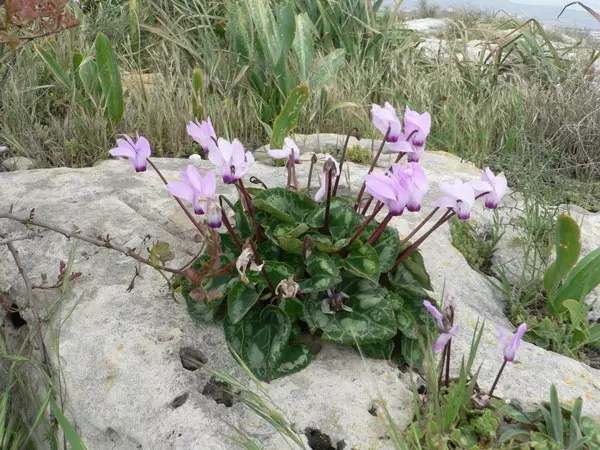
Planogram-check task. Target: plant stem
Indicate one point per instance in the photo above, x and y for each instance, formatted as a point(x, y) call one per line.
point(406, 253)
point(373, 163)
point(105, 243)
point(313, 160)
point(183, 207)
point(448, 353)
point(366, 208)
point(357, 233)
point(497, 378)
point(259, 262)
point(418, 227)
point(328, 204)
point(230, 230)
point(343, 158)
point(441, 368)
point(380, 229)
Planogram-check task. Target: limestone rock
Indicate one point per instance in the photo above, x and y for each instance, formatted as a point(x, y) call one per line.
point(125, 384)
point(426, 25)
point(16, 163)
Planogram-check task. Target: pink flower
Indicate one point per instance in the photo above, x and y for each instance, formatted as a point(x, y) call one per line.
point(384, 118)
point(200, 192)
point(289, 148)
point(412, 177)
point(231, 159)
point(510, 348)
point(203, 133)
point(416, 129)
point(459, 196)
point(446, 333)
point(332, 165)
point(498, 187)
point(388, 189)
point(137, 152)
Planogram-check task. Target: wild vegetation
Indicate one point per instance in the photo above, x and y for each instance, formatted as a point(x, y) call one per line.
point(74, 77)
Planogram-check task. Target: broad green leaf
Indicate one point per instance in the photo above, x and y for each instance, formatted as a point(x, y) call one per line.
point(55, 68)
point(378, 350)
point(594, 335)
point(240, 299)
point(134, 26)
point(387, 246)
point(410, 352)
point(328, 69)
point(371, 319)
point(568, 245)
point(239, 30)
point(110, 78)
point(290, 230)
point(416, 266)
point(261, 340)
point(342, 218)
point(318, 284)
point(292, 306)
point(363, 262)
point(267, 31)
point(285, 205)
point(71, 436)
point(320, 264)
point(286, 121)
point(303, 45)
point(576, 310)
point(405, 282)
point(286, 25)
point(580, 281)
point(293, 359)
point(275, 270)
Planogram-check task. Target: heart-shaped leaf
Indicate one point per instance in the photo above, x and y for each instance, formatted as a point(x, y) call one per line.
point(363, 262)
point(243, 223)
point(318, 284)
point(240, 299)
point(342, 218)
point(371, 318)
point(284, 204)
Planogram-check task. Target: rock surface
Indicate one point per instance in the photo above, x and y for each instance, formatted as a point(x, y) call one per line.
point(126, 387)
point(18, 163)
point(426, 25)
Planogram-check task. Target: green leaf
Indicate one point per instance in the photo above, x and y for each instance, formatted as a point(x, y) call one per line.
point(286, 121)
point(405, 282)
point(110, 78)
point(594, 335)
point(320, 264)
point(388, 248)
point(161, 253)
point(243, 223)
point(290, 230)
point(134, 26)
point(275, 270)
point(292, 306)
point(293, 359)
point(416, 266)
point(75, 442)
point(285, 205)
point(197, 94)
point(240, 299)
point(342, 218)
point(557, 420)
point(364, 263)
point(303, 45)
point(378, 350)
point(318, 284)
point(577, 311)
point(261, 340)
point(568, 246)
point(286, 26)
point(580, 281)
point(55, 68)
point(371, 319)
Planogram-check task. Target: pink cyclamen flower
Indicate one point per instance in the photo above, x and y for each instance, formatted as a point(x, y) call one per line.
point(459, 196)
point(329, 164)
point(416, 129)
point(232, 159)
point(384, 118)
point(289, 148)
point(200, 192)
point(137, 152)
point(446, 332)
point(510, 348)
point(388, 189)
point(203, 133)
point(412, 177)
point(498, 187)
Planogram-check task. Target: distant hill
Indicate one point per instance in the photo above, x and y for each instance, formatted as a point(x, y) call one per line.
point(574, 17)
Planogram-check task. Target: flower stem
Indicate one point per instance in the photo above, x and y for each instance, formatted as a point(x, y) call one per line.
point(373, 163)
point(418, 227)
point(366, 208)
point(406, 253)
point(379, 230)
point(357, 233)
point(441, 367)
point(313, 160)
point(343, 158)
point(185, 210)
point(259, 262)
point(497, 378)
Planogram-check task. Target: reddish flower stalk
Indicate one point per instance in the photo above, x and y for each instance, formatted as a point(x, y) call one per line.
point(379, 230)
point(247, 201)
point(373, 164)
point(418, 227)
point(357, 233)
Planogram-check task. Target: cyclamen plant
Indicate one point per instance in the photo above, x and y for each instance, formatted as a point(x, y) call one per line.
point(293, 267)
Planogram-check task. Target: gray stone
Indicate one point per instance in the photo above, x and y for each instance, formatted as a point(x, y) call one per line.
point(18, 163)
point(120, 351)
point(4, 150)
point(426, 25)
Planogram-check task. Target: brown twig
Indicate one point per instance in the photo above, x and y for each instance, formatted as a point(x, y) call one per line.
point(105, 243)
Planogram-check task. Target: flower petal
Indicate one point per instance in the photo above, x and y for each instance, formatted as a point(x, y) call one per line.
point(181, 190)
